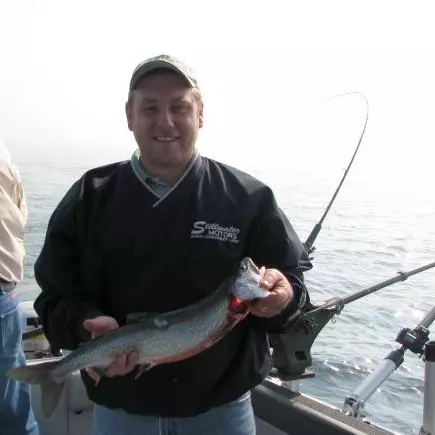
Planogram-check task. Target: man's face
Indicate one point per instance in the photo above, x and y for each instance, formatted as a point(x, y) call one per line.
point(165, 116)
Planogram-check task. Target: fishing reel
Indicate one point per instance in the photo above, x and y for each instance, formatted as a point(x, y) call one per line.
point(413, 339)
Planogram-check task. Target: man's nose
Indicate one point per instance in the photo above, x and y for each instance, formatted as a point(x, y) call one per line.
point(165, 118)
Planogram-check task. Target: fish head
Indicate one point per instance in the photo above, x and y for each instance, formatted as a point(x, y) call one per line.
point(246, 284)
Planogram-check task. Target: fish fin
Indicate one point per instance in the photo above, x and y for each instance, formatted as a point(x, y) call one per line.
point(152, 319)
point(101, 372)
point(51, 393)
point(144, 368)
point(34, 373)
point(40, 374)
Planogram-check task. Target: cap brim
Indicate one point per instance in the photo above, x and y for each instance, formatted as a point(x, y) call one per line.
point(145, 69)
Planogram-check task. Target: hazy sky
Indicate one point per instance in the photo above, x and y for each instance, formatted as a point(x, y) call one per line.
point(65, 68)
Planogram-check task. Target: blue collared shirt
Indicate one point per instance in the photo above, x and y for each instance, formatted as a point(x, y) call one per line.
point(159, 188)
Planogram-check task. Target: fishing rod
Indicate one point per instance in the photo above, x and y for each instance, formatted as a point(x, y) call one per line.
point(292, 350)
point(341, 302)
point(316, 230)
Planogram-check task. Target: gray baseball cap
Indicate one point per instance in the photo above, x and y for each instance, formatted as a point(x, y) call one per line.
point(163, 61)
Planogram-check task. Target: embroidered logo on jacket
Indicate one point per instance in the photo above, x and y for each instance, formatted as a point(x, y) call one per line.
point(204, 230)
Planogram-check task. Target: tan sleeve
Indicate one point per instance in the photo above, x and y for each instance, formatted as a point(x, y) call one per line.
point(13, 217)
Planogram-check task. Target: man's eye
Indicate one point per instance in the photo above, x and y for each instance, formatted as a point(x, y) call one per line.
point(179, 108)
point(149, 109)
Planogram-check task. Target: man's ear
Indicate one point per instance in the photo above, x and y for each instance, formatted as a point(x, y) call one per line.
point(201, 115)
point(128, 114)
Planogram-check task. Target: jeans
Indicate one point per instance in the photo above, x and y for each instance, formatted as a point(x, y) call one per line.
point(234, 418)
point(16, 414)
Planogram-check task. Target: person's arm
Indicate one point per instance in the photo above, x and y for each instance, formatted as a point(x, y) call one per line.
point(13, 216)
point(63, 303)
point(274, 244)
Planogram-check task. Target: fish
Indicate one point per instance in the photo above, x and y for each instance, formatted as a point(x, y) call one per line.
point(158, 338)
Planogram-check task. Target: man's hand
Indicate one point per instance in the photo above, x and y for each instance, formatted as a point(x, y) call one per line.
point(122, 364)
point(281, 294)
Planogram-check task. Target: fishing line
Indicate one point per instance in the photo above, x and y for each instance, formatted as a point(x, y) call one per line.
point(316, 230)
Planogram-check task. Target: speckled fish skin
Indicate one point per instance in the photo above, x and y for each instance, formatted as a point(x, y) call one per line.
point(158, 338)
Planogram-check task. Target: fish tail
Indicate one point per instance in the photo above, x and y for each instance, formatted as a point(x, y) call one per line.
point(51, 390)
point(32, 374)
point(51, 393)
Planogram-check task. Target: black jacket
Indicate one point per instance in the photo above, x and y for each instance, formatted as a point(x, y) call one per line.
point(113, 247)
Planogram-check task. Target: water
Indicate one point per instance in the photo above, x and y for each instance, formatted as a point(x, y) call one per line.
point(369, 235)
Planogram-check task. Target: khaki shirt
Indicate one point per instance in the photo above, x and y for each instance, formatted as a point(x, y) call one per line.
point(13, 217)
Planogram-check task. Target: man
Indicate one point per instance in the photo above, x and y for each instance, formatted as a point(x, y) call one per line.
point(156, 233)
point(16, 415)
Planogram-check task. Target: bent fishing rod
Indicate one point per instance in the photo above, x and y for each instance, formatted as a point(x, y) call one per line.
point(316, 230)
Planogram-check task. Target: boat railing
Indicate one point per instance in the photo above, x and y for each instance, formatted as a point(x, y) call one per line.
point(413, 340)
point(428, 426)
